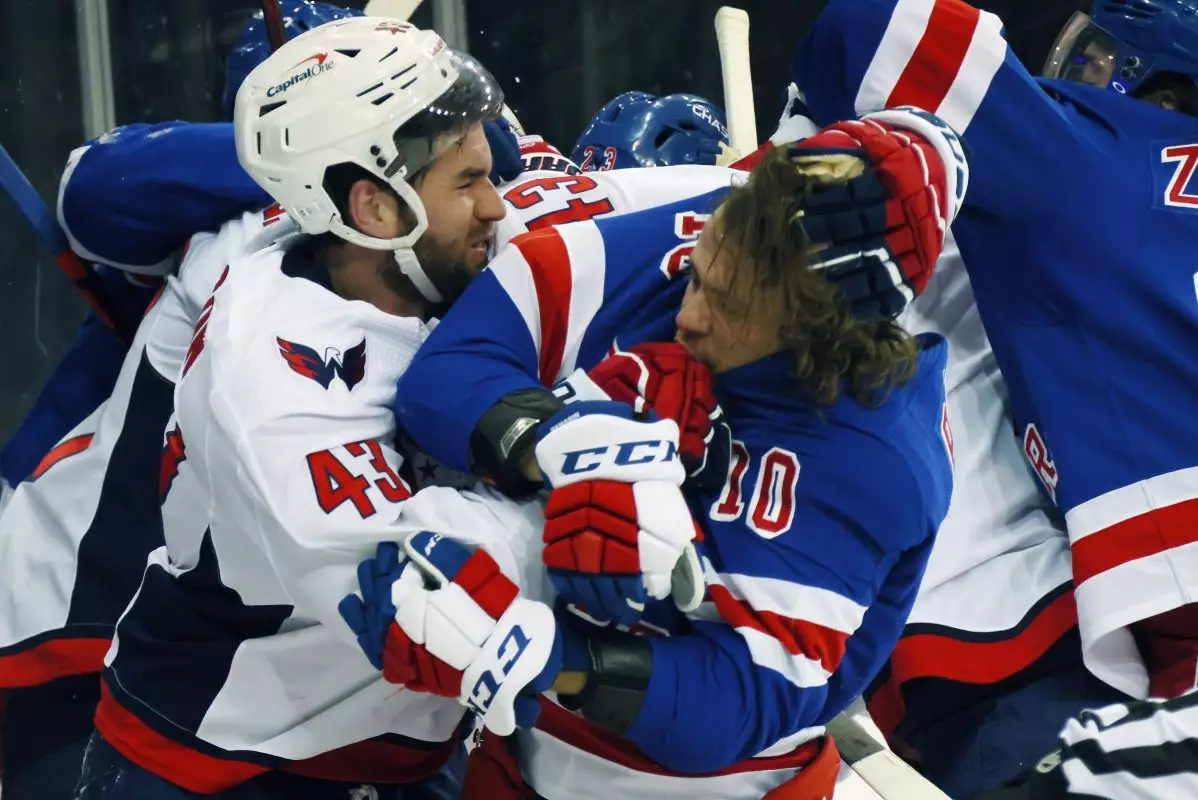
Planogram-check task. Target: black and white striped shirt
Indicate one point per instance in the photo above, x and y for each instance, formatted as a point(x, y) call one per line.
point(1146, 750)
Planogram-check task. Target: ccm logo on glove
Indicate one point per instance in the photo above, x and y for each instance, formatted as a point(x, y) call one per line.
point(623, 454)
point(488, 683)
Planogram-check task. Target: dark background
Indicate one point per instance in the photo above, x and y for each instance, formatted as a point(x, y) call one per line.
point(558, 60)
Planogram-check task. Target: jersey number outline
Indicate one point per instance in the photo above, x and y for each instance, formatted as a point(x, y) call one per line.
point(1038, 455)
point(1186, 158)
point(536, 191)
point(687, 226)
point(772, 505)
point(201, 330)
point(174, 453)
point(588, 159)
point(335, 484)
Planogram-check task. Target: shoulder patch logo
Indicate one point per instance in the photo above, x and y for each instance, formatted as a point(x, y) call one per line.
point(305, 361)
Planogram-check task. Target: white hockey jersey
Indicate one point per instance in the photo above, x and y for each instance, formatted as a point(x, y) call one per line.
point(1002, 540)
point(232, 658)
point(74, 537)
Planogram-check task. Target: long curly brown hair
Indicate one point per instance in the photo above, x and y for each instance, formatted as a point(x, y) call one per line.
point(760, 223)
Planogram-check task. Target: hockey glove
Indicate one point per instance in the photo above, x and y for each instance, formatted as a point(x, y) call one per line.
point(662, 377)
point(617, 529)
point(884, 201)
point(445, 620)
point(506, 164)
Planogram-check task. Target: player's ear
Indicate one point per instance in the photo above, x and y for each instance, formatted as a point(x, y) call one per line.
point(374, 210)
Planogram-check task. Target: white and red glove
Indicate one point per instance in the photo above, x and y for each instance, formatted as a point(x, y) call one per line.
point(443, 619)
point(662, 377)
point(617, 529)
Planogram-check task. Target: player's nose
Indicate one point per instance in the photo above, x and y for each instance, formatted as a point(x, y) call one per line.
point(489, 206)
point(693, 318)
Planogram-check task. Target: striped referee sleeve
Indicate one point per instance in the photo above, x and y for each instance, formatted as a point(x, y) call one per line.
point(1146, 750)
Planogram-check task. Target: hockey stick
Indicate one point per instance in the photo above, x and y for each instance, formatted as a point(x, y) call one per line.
point(45, 226)
point(273, 18)
point(732, 35)
point(395, 9)
point(885, 772)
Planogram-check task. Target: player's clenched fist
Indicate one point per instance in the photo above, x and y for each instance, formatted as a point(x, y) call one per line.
point(441, 618)
point(888, 186)
point(664, 378)
point(617, 529)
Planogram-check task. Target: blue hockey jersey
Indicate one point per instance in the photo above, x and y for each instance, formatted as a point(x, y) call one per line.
point(817, 541)
point(130, 199)
point(1081, 209)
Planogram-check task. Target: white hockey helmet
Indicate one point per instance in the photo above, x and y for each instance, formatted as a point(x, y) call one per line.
point(342, 93)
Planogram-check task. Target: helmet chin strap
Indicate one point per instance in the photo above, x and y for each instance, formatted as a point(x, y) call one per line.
point(409, 265)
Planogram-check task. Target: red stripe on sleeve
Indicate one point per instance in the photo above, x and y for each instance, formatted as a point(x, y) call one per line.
point(798, 636)
point(1145, 535)
point(937, 59)
point(549, 263)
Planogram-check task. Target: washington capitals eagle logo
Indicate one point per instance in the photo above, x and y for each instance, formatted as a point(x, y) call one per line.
point(303, 360)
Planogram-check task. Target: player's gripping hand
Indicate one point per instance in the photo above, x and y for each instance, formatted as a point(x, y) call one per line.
point(664, 378)
point(443, 619)
point(886, 195)
point(617, 529)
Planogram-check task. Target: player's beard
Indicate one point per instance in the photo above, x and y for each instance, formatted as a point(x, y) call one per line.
point(450, 265)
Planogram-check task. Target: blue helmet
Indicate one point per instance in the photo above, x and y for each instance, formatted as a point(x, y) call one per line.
point(639, 130)
point(1120, 44)
point(253, 45)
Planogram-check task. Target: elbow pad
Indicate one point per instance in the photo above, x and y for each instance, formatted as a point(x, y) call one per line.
point(621, 665)
point(505, 436)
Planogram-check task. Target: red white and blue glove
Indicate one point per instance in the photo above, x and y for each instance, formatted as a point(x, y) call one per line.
point(881, 226)
point(664, 378)
point(443, 619)
point(617, 529)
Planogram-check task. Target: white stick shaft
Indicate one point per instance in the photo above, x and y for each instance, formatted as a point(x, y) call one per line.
point(885, 772)
point(392, 9)
point(732, 34)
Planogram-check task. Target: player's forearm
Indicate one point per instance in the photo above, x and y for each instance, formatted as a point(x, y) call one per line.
point(111, 199)
point(691, 703)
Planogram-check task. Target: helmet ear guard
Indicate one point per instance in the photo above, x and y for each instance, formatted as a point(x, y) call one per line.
point(375, 93)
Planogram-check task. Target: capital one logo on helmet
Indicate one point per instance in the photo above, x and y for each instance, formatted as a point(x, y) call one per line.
point(318, 68)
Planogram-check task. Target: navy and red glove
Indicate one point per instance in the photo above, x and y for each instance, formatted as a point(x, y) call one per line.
point(881, 222)
point(443, 619)
point(662, 377)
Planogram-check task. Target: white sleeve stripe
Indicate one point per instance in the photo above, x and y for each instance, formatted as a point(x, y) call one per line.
point(788, 744)
point(792, 600)
point(983, 59)
point(1134, 590)
point(515, 276)
point(894, 53)
point(903, 45)
point(1119, 505)
point(766, 651)
point(584, 248)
